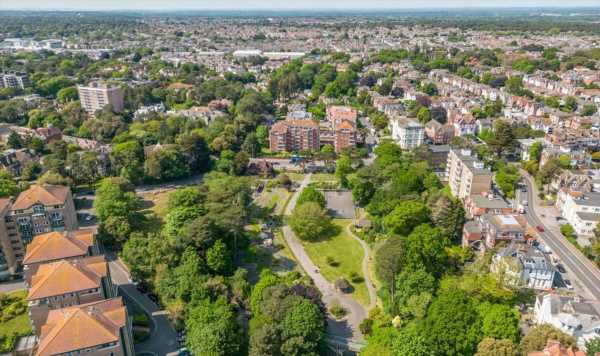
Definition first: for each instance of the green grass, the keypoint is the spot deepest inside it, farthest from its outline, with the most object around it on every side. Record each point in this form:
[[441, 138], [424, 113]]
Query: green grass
[[157, 202], [348, 254], [323, 177], [274, 199], [14, 324]]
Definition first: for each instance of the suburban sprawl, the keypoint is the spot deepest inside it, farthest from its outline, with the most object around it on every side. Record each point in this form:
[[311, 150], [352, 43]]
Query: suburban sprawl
[[279, 183]]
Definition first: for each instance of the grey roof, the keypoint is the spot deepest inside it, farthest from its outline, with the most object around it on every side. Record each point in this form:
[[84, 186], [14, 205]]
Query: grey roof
[[487, 203], [588, 199], [589, 216], [471, 227], [439, 148]]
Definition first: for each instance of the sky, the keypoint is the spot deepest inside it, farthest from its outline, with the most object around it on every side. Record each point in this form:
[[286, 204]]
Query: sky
[[274, 4]]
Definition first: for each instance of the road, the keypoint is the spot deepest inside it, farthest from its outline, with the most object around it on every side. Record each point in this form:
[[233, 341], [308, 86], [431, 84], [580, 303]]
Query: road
[[348, 328], [163, 338], [580, 267]]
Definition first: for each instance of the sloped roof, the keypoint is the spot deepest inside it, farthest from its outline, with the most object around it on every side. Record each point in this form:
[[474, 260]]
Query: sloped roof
[[83, 326], [58, 245], [64, 277], [45, 194]]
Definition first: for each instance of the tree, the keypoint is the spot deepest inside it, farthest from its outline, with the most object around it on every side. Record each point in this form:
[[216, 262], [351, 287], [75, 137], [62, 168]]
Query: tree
[[448, 213], [490, 346], [343, 167], [589, 110], [537, 338], [504, 138], [251, 145], [212, 329], [218, 258], [310, 194], [116, 206], [535, 151], [305, 323], [425, 247], [127, 159], [412, 285], [405, 217], [310, 221], [14, 140], [8, 185], [424, 115], [500, 321], [592, 346], [452, 325], [67, 94], [411, 342], [166, 163], [388, 263], [143, 253], [570, 104]]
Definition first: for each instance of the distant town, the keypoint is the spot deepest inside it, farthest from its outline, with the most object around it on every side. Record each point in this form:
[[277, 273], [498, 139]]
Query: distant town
[[312, 183]]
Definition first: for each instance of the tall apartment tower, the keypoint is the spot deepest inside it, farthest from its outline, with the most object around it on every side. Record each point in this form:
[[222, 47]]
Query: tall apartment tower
[[466, 174], [96, 96]]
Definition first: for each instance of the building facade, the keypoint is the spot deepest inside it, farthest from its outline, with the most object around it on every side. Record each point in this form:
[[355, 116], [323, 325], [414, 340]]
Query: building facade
[[14, 80], [466, 174], [11, 245], [96, 96], [408, 133], [581, 210], [294, 136]]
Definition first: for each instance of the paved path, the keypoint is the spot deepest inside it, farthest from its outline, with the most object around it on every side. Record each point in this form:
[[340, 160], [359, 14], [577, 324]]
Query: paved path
[[11, 286], [584, 270], [348, 328], [163, 338], [365, 268]]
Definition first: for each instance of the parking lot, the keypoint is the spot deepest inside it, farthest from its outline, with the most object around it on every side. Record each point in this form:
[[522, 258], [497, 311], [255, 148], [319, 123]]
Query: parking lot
[[340, 204]]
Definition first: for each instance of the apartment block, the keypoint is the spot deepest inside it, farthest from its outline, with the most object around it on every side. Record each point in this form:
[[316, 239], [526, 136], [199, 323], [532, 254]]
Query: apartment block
[[294, 135], [466, 174], [96, 96], [101, 328], [55, 246], [65, 283], [341, 121], [38, 210], [14, 80], [408, 133], [439, 134], [581, 210]]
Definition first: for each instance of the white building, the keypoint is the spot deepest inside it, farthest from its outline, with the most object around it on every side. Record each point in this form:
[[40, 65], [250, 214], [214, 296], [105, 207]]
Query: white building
[[569, 314], [521, 265], [14, 80], [408, 133], [96, 96], [466, 174], [581, 210]]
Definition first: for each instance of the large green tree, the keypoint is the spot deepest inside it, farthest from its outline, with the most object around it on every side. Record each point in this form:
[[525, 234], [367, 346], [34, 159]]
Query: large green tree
[[310, 221]]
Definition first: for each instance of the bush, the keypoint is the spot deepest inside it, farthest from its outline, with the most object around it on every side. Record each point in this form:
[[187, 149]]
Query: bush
[[140, 336], [337, 310], [331, 261], [141, 319], [356, 278]]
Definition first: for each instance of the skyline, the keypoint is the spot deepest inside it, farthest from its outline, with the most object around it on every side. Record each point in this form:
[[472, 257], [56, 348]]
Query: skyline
[[275, 5]]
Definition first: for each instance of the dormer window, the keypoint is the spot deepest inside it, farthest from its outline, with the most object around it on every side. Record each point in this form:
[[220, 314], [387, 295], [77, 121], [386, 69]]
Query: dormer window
[[38, 209]]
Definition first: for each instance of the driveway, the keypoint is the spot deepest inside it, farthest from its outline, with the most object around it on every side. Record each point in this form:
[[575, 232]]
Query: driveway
[[163, 338], [347, 328]]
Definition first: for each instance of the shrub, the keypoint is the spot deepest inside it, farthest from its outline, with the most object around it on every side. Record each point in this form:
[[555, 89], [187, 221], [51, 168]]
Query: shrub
[[337, 310]]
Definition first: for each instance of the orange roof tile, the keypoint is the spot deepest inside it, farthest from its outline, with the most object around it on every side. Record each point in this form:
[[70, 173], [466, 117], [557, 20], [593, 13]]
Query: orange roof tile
[[81, 327], [58, 245], [63, 277], [45, 194]]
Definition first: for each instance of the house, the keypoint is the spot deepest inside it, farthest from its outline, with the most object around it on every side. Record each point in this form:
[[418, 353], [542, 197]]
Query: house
[[572, 315], [472, 235], [100, 328], [438, 133], [502, 227], [521, 265], [485, 203], [407, 132], [15, 160], [525, 145], [554, 348], [262, 168], [48, 134], [64, 283], [55, 246]]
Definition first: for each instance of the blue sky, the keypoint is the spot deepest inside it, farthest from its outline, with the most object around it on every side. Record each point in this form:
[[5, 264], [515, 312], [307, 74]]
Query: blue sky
[[273, 4]]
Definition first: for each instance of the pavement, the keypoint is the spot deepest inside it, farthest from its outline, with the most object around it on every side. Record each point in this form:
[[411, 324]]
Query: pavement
[[583, 271], [11, 286], [163, 337], [347, 328]]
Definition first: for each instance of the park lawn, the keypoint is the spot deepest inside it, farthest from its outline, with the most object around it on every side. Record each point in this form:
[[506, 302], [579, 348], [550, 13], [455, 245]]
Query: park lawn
[[157, 202], [275, 198], [323, 177], [345, 250], [19, 324]]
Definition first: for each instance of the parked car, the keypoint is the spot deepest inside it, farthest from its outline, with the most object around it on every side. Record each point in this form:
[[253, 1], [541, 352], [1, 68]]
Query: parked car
[[560, 268], [540, 228], [568, 284]]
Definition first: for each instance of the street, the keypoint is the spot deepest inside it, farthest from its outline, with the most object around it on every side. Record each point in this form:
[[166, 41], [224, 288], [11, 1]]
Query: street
[[580, 267]]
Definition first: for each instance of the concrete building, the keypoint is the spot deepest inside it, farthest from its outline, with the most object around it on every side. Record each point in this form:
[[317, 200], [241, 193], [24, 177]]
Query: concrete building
[[294, 136], [439, 134], [38, 210], [96, 96], [408, 133], [101, 328], [14, 80], [520, 265], [64, 283], [571, 315], [55, 246], [504, 227], [581, 210], [466, 174], [11, 246]]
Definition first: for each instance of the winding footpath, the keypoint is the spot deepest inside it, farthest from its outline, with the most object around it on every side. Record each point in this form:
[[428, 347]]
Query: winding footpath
[[347, 329]]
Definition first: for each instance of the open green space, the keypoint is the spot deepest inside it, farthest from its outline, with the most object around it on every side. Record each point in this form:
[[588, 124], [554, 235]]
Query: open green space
[[345, 253], [156, 202], [14, 320], [273, 198]]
